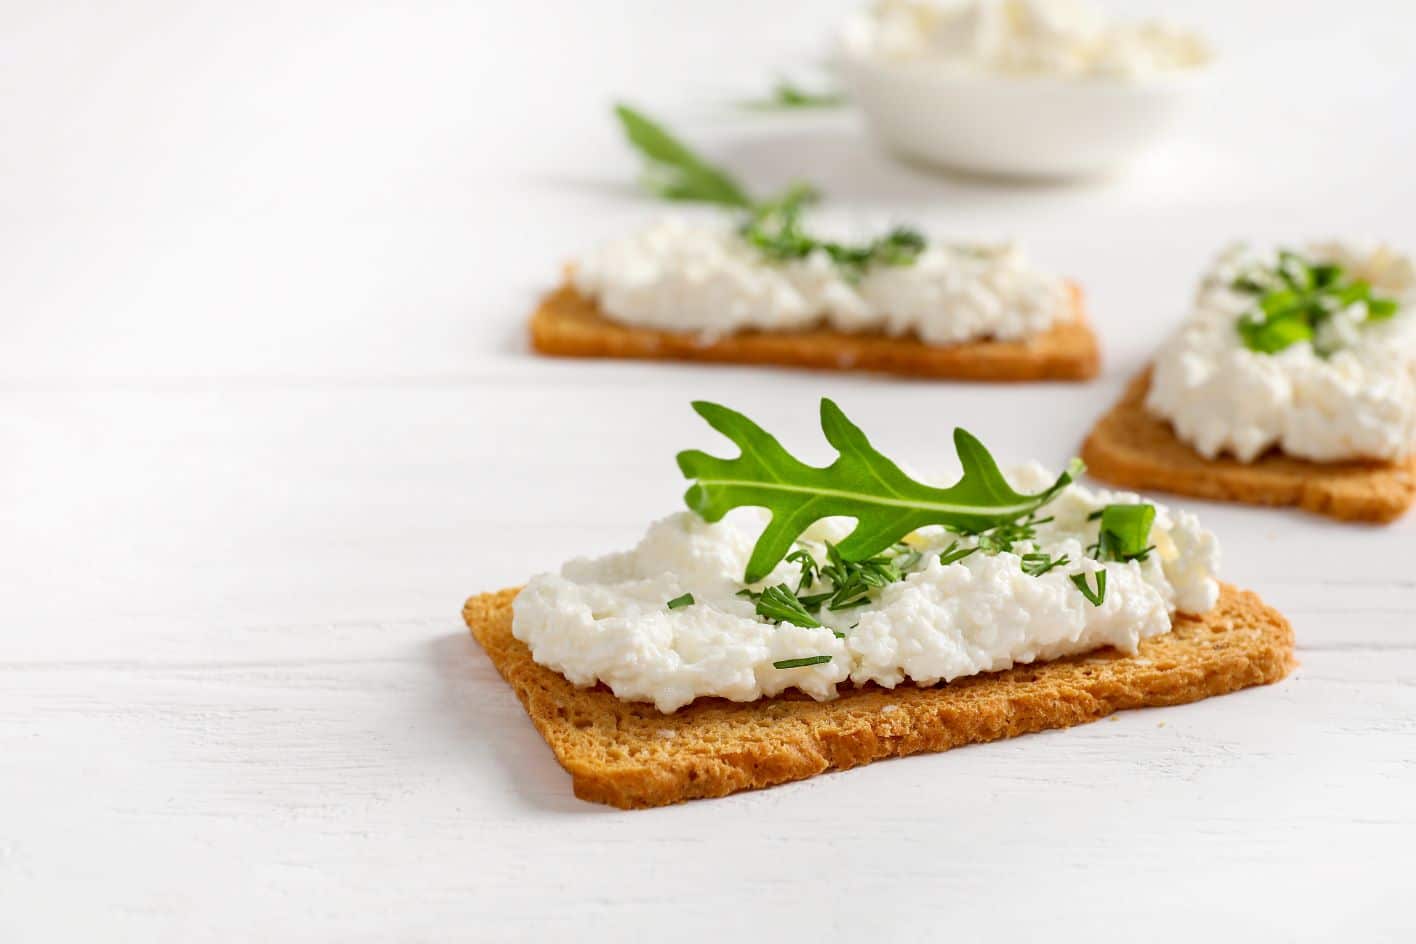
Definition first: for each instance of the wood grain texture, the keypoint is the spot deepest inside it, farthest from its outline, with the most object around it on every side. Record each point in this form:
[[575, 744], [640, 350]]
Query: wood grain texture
[[267, 414], [1131, 447], [569, 325], [632, 756]]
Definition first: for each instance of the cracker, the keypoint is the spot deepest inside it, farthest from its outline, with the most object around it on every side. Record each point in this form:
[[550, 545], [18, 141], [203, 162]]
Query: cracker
[[630, 755], [567, 324], [1132, 448]]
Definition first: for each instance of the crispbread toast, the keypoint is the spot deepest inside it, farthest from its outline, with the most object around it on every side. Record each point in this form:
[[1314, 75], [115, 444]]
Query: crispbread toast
[[630, 755], [567, 324], [1132, 448]]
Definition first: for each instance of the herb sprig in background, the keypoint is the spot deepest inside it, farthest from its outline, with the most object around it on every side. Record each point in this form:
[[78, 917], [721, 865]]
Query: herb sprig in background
[[773, 225]]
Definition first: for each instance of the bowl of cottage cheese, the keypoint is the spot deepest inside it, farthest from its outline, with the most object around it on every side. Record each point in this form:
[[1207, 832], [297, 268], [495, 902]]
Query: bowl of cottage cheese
[[1040, 89]]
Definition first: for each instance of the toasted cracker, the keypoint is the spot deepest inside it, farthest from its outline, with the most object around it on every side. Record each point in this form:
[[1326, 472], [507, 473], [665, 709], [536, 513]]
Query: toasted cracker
[[570, 325], [1131, 447], [630, 755]]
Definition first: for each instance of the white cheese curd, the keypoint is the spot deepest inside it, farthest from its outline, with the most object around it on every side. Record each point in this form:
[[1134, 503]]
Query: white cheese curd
[[1358, 402], [704, 278], [606, 619], [1027, 37]]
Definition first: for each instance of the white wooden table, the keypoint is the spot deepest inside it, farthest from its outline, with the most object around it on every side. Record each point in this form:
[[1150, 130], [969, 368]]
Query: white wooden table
[[267, 417]]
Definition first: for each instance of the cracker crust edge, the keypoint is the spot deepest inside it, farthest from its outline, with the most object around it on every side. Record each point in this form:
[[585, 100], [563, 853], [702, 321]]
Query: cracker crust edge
[[566, 324], [629, 755], [1131, 448]]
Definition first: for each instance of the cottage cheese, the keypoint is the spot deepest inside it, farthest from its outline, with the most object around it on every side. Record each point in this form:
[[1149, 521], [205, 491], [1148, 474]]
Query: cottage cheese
[[605, 619], [1357, 403], [1047, 37], [705, 278]]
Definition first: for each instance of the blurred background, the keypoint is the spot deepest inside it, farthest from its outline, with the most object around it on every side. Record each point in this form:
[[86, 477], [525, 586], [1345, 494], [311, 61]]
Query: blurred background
[[336, 189]]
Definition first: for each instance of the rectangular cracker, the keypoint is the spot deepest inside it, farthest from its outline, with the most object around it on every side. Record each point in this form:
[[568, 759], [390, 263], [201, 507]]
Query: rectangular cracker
[[630, 755], [567, 324], [1130, 447]]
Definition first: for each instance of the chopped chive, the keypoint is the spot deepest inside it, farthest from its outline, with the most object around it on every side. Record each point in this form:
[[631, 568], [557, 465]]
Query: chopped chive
[[678, 603], [1038, 563], [952, 556], [849, 604], [780, 605], [1094, 597], [799, 663]]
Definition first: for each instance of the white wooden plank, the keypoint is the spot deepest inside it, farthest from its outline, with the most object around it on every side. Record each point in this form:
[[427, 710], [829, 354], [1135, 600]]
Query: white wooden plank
[[267, 417]]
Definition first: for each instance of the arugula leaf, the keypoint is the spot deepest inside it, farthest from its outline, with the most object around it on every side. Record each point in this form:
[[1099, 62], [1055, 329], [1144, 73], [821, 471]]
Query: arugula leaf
[[862, 484], [673, 170], [780, 605], [788, 95]]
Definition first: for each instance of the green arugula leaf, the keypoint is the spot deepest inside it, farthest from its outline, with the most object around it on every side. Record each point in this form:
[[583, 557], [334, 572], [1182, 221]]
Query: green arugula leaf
[[862, 484], [673, 170]]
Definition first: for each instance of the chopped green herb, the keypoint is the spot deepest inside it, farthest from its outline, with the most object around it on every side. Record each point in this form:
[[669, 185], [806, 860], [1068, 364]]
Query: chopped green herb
[[1002, 538], [801, 663], [1296, 297], [780, 605], [775, 230], [803, 559], [1094, 597], [853, 580], [673, 171], [952, 556], [861, 483], [680, 602], [1037, 563], [787, 95], [812, 602], [1125, 532]]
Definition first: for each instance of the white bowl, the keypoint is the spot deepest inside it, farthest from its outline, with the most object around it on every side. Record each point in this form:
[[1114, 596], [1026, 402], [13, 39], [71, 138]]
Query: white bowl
[[1039, 127]]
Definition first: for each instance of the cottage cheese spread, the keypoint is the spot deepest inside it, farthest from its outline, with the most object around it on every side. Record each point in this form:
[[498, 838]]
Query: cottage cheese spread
[[1359, 402], [606, 620], [705, 278], [1049, 37]]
